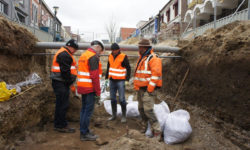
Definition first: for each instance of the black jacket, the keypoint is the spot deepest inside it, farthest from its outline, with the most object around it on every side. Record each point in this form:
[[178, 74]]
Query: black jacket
[[125, 64], [64, 60]]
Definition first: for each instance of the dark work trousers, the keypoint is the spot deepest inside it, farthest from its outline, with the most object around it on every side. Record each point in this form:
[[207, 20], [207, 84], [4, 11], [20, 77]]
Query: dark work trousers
[[120, 87], [88, 104], [62, 103]]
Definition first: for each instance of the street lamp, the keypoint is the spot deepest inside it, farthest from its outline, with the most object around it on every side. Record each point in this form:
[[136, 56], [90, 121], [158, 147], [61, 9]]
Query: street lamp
[[55, 12]]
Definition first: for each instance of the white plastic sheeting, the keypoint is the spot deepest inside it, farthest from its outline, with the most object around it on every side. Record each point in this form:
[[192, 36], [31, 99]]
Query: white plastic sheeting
[[30, 80]]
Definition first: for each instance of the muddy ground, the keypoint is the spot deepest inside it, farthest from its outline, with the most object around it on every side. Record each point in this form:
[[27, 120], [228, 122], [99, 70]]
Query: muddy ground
[[215, 93]]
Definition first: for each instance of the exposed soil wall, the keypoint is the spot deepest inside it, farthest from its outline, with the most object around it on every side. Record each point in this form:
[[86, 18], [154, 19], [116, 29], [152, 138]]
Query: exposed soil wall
[[219, 77], [16, 63]]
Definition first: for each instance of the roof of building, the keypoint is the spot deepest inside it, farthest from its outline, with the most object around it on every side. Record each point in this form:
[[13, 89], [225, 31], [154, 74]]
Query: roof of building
[[166, 5]]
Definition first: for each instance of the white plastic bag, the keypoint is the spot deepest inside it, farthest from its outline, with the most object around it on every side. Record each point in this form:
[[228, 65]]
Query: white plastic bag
[[149, 133], [10, 86], [161, 111], [177, 128], [132, 108], [31, 79], [107, 106]]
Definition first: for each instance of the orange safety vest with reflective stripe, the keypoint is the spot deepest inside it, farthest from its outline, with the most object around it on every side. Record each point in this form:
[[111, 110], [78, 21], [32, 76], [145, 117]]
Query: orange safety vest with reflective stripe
[[116, 71], [83, 76], [148, 73], [83, 71], [56, 67]]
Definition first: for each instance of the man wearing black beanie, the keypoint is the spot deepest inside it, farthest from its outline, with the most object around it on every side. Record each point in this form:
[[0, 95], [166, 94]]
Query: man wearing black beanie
[[118, 70], [63, 74]]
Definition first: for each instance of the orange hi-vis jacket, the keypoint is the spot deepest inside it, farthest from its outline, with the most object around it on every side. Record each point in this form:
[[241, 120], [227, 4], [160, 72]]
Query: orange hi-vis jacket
[[116, 71], [56, 67], [100, 70], [84, 80], [148, 73]]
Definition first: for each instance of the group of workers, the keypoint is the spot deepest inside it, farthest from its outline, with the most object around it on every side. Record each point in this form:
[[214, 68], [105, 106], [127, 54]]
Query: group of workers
[[65, 71]]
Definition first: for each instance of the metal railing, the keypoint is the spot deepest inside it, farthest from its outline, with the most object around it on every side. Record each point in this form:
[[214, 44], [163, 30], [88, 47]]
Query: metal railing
[[241, 15]]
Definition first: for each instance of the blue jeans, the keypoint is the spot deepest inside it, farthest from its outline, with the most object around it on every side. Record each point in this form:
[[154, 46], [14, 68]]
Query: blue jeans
[[62, 103], [120, 86], [88, 103]]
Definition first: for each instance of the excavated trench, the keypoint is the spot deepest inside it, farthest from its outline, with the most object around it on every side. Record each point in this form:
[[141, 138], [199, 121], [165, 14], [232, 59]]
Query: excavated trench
[[215, 92]]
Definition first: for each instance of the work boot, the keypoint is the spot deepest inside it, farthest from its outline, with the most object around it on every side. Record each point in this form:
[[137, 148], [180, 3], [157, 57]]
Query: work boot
[[114, 110], [143, 130], [124, 111], [65, 130], [92, 133], [88, 137], [158, 135], [143, 127]]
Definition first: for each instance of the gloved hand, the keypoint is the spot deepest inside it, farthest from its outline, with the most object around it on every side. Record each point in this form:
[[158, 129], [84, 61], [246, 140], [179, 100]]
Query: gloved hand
[[97, 100], [106, 82], [126, 83], [73, 88]]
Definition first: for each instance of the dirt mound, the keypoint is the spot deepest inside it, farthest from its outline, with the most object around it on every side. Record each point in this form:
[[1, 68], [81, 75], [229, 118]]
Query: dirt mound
[[15, 39], [219, 77], [134, 140], [130, 41], [168, 43]]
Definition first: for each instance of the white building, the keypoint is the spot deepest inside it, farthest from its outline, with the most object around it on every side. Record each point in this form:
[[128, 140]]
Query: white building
[[200, 15], [173, 11]]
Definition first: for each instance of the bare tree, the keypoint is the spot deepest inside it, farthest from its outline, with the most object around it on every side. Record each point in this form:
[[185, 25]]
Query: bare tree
[[111, 29]]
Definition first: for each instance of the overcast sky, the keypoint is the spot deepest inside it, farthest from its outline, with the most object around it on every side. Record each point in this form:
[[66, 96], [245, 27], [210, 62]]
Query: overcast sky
[[91, 16]]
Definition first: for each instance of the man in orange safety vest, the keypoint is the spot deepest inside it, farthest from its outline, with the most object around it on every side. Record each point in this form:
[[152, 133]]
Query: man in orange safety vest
[[63, 74], [147, 80], [118, 71], [88, 84]]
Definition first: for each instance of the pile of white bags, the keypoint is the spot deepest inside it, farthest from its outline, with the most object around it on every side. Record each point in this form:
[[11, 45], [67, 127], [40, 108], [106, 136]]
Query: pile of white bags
[[175, 125]]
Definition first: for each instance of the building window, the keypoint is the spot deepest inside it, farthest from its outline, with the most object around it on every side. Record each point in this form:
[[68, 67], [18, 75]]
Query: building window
[[34, 13], [3, 8], [175, 6], [21, 17], [57, 29], [168, 15], [21, 2]]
